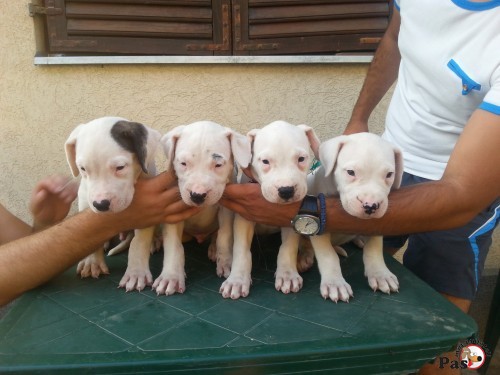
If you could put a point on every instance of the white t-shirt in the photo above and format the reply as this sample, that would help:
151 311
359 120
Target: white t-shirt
450 66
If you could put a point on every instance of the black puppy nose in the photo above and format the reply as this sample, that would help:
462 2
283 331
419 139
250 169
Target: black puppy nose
102 205
370 209
286 192
197 198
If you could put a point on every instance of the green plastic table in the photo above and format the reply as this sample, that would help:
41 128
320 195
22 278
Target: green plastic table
78 326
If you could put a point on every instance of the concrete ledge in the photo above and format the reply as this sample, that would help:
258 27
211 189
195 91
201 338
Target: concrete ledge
100 60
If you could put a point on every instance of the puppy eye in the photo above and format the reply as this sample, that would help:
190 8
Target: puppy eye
218 165
265 161
389 175
301 159
183 163
121 167
82 169
350 172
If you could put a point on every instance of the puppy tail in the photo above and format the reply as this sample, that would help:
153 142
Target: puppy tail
122 245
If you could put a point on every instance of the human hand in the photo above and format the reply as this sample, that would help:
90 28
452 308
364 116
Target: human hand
247 201
156 200
51 200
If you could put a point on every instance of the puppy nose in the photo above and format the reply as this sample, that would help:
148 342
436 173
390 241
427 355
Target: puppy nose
286 192
197 198
102 205
370 208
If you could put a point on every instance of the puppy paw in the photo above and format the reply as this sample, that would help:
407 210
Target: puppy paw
288 281
92 267
236 286
212 252
340 251
380 278
135 278
305 259
335 289
224 264
169 283
156 245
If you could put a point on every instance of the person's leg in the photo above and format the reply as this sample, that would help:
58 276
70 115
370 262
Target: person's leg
452 262
433 368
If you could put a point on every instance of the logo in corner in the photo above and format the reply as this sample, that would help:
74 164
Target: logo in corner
472 353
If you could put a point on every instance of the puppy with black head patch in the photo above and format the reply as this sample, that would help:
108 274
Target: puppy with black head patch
111 154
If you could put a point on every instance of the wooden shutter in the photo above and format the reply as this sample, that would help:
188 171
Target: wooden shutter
138 27
263 27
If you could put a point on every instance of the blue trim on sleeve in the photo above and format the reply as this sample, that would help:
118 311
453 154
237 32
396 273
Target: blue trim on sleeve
396 5
472 5
468 84
495 109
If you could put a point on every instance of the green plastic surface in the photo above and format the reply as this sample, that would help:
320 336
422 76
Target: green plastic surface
74 325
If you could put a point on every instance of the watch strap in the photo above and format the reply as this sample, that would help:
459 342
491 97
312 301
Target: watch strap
309 206
322 213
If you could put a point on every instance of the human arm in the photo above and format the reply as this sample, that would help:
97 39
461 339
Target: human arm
470 182
11 227
33 260
382 73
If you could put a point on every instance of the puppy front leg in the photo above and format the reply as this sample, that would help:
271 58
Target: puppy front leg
333 284
138 275
287 277
93 265
379 276
224 242
239 280
172 277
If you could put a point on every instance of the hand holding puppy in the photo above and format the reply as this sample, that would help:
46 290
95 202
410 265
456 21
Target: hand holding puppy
51 200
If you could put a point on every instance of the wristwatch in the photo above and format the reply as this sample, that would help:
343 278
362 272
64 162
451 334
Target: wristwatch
310 220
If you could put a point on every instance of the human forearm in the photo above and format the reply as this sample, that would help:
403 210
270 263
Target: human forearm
381 74
426 207
33 260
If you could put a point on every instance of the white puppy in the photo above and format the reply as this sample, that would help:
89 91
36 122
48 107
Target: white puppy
280 164
110 153
202 155
361 168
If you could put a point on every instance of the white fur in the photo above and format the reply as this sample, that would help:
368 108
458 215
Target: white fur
361 169
202 155
109 173
280 163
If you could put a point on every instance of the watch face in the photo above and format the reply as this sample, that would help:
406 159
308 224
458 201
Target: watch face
307 225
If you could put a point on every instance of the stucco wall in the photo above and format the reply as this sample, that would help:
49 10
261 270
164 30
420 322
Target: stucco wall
39 106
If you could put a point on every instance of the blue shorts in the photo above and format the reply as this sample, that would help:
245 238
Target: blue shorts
451 261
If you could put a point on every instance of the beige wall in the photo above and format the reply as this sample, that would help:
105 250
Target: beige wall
39 106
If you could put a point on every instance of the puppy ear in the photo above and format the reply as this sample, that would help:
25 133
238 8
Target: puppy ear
169 141
70 148
398 156
314 141
329 151
240 147
133 137
251 136
154 137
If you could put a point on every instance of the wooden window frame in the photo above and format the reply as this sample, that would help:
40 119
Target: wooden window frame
232 28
